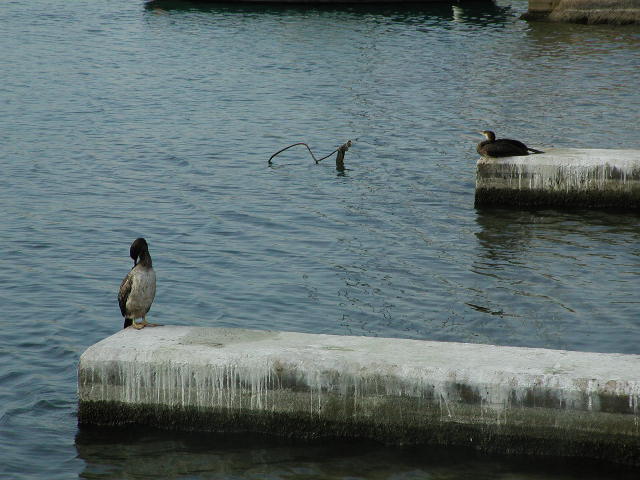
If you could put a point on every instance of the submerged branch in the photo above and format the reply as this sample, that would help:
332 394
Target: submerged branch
339 159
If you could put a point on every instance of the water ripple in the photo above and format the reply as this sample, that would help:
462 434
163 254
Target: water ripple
122 119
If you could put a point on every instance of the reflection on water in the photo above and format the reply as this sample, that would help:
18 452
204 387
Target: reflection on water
482 13
142 453
477 12
527 256
374 8
508 231
546 39
506 235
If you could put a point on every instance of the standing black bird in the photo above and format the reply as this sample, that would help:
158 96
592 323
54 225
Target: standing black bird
138 288
502 147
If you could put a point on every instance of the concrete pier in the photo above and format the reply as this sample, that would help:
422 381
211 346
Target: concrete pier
564 177
615 12
498 399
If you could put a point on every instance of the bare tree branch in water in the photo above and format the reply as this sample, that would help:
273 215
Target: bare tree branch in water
342 149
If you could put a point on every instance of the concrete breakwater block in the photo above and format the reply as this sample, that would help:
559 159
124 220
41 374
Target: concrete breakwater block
615 12
571 177
499 399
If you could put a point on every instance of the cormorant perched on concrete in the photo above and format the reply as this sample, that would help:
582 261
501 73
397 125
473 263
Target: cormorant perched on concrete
502 147
138 288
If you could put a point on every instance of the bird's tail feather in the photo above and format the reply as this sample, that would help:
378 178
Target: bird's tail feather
127 322
533 150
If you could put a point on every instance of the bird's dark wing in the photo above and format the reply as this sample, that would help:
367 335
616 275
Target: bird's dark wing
518 144
515 143
505 148
123 294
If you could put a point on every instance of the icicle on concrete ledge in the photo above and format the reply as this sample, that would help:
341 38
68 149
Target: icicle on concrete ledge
499 399
561 177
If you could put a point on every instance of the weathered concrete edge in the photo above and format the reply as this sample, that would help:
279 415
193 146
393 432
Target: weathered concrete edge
527 439
289 399
539 198
589 12
563 177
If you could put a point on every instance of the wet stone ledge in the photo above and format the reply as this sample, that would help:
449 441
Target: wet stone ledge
496 399
613 12
562 177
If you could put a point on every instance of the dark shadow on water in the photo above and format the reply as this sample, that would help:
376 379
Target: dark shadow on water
438 9
481 12
511 229
541 266
506 234
136 453
570 40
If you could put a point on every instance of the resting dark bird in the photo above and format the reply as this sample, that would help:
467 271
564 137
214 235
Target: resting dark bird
502 147
138 288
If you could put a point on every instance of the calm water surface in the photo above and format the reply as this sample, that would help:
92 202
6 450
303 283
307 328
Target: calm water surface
122 119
